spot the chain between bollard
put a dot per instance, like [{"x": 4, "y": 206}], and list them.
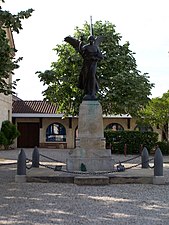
[
  {"x": 127, "y": 160},
  {"x": 140, "y": 164},
  {"x": 8, "y": 164},
  {"x": 92, "y": 173},
  {"x": 54, "y": 160}
]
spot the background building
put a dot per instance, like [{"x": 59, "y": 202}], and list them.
[
  {"x": 41, "y": 126},
  {"x": 6, "y": 100}
]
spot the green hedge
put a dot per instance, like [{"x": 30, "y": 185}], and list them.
[
  {"x": 133, "y": 139},
  {"x": 164, "y": 147}
]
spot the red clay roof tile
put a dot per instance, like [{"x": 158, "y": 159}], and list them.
[{"x": 33, "y": 107}]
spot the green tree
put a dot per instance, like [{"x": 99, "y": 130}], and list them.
[
  {"x": 8, "y": 134},
  {"x": 156, "y": 113},
  {"x": 122, "y": 88},
  {"x": 7, "y": 54}
]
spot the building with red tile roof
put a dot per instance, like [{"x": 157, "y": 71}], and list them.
[{"x": 40, "y": 125}]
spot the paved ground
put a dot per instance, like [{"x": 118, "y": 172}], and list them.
[{"x": 52, "y": 203}]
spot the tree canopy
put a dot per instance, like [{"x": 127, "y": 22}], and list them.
[
  {"x": 122, "y": 87},
  {"x": 156, "y": 113},
  {"x": 8, "y": 62}
]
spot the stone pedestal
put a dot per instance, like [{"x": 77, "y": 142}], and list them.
[{"x": 90, "y": 144}]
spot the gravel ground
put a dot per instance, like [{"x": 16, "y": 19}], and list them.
[{"x": 69, "y": 204}]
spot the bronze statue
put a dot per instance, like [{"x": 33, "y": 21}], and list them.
[{"x": 91, "y": 55}]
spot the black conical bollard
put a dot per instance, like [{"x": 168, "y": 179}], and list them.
[
  {"x": 158, "y": 163},
  {"x": 21, "y": 163},
  {"x": 145, "y": 158},
  {"x": 158, "y": 168},
  {"x": 20, "y": 177},
  {"x": 35, "y": 158}
]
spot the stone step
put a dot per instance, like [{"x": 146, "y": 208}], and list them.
[
  {"x": 133, "y": 176},
  {"x": 91, "y": 180},
  {"x": 131, "y": 179},
  {"x": 50, "y": 179}
]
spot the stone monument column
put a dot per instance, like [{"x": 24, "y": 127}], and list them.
[
  {"x": 90, "y": 144},
  {"x": 90, "y": 149}
]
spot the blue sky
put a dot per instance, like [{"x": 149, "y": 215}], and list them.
[{"x": 144, "y": 23}]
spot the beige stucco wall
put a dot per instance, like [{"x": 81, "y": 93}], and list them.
[
  {"x": 5, "y": 108},
  {"x": 159, "y": 133},
  {"x": 122, "y": 121},
  {"x": 70, "y": 131}
]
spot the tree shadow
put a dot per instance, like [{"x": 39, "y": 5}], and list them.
[{"x": 51, "y": 203}]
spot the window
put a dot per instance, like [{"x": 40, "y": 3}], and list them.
[
  {"x": 56, "y": 132},
  {"x": 115, "y": 127},
  {"x": 143, "y": 128},
  {"x": 9, "y": 115}
]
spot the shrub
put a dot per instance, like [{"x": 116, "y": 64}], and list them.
[
  {"x": 164, "y": 147},
  {"x": 133, "y": 139},
  {"x": 3, "y": 139},
  {"x": 8, "y": 134}
]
